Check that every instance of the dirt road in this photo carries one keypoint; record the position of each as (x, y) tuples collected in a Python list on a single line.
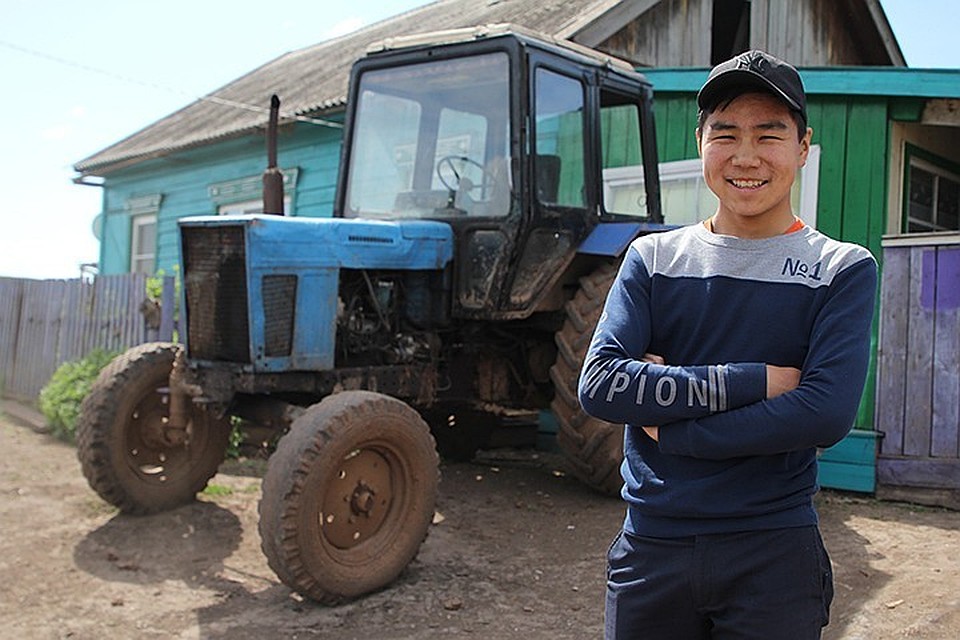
[(518, 554)]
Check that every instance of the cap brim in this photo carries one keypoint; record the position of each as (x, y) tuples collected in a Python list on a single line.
[(743, 79)]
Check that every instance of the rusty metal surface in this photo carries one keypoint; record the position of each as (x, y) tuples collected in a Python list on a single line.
[(221, 382)]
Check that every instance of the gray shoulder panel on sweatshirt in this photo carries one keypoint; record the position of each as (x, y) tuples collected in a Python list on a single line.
[(804, 257)]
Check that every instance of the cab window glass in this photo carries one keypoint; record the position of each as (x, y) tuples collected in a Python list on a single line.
[(559, 159)]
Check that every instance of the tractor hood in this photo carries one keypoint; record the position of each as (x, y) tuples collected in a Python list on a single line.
[(277, 241), (262, 291)]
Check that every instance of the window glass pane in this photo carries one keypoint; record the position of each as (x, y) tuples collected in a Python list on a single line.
[(933, 192), (432, 140), (921, 195), (147, 236), (620, 147), (461, 139), (947, 196), (687, 199), (559, 162), (384, 151)]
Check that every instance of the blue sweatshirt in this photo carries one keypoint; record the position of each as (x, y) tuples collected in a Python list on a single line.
[(718, 309)]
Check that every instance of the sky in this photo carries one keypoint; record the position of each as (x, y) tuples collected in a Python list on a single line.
[(77, 77)]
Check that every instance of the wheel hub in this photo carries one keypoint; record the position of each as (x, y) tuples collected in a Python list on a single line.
[(358, 499), (154, 449), (362, 501)]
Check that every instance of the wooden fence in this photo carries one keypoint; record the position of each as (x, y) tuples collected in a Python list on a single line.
[(918, 385), (44, 323)]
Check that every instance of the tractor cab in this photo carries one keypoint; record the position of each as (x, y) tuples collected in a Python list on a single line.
[(505, 135)]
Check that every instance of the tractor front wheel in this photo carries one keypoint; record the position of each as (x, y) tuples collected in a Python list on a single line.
[(348, 496), (128, 453)]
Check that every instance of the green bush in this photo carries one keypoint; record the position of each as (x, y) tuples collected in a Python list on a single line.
[(61, 397)]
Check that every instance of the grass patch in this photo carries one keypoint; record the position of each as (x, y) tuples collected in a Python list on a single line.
[(217, 490)]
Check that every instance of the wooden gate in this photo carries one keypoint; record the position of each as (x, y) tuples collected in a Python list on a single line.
[(918, 378)]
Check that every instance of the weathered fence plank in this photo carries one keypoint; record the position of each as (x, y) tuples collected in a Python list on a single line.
[(891, 356), (919, 374), (44, 323), (11, 292)]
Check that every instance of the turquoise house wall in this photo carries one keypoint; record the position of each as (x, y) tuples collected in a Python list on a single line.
[(183, 181)]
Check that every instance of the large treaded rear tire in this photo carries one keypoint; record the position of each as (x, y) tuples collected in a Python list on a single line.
[(122, 445), (348, 496), (593, 448)]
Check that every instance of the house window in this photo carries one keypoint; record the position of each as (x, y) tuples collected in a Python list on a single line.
[(932, 194), (248, 207), (143, 244), (245, 195), (143, 210), (684, 194)]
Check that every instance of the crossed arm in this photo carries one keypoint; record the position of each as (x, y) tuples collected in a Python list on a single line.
[(780, 380)]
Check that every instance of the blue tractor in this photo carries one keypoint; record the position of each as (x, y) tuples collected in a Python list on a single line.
[(491, 178)]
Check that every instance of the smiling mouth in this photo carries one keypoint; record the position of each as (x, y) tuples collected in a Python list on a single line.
[(746, 184)]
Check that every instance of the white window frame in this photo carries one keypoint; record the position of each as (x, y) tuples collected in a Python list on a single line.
[(142, 259)]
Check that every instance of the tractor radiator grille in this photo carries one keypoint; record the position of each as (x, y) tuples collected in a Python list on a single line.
[(279, 308), (215, 286)]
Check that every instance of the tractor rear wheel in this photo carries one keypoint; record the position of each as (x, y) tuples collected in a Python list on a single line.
[(593, 447), (348, 496), (127, 453)]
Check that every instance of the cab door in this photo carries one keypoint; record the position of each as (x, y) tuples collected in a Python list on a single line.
[(561, 197)]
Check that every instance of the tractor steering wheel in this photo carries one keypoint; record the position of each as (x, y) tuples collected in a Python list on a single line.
[(448, 161)]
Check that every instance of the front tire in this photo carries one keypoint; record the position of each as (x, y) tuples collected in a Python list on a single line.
[(348, 496), (593, 447), (125, 451)]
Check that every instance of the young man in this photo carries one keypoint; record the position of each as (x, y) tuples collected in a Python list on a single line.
[(731, 350)]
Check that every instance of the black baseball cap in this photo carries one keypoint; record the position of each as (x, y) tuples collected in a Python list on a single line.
[(755, 70)]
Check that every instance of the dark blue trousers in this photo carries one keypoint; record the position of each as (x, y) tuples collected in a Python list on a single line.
[(762, 585)]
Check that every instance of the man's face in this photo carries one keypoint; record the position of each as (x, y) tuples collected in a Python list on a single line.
[(751, 156)]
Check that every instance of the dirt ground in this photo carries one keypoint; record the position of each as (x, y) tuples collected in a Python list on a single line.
[(518, 554)]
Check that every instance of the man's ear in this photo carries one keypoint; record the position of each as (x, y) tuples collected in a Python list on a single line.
[(696, 133), (805, 146)]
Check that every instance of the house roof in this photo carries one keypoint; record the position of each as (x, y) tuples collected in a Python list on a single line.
[(312, 82)]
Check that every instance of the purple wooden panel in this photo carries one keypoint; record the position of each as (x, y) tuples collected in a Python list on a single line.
[(892, 354), (919, 472), (945, 421), (919, 371), (948, 279)]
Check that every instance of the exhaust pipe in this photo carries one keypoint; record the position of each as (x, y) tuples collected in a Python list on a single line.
[(272, 177)]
